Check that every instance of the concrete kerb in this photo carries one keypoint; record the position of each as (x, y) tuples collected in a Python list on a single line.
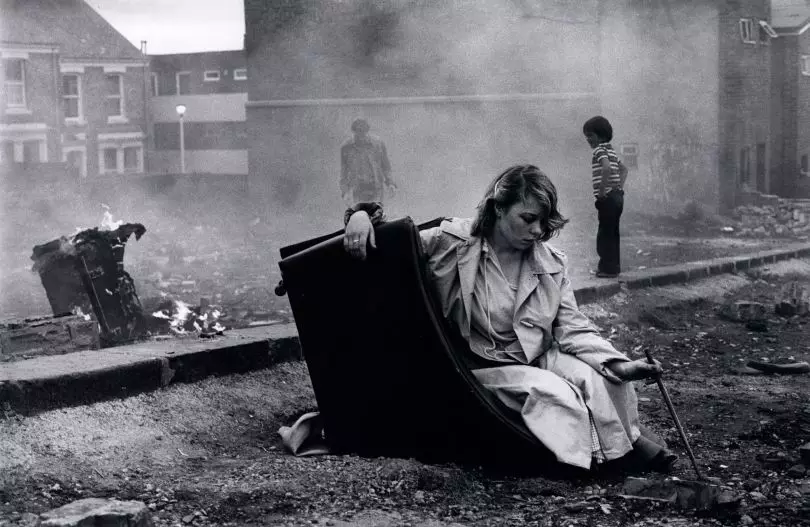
[(686, 272), (55, 381), (43, 383)]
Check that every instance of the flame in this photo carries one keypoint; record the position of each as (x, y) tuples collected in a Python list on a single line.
[(77, 310), (185, 318), (107, 222)]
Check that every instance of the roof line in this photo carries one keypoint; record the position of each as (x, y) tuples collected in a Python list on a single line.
[(495, 97)]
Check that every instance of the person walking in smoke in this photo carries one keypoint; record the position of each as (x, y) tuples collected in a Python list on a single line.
[(608, 174), (365, 172)]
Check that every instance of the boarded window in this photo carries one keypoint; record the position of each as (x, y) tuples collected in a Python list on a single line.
[(132, 159)]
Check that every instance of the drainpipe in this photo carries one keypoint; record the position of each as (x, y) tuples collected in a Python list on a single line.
[(147, 144), (57, 114)]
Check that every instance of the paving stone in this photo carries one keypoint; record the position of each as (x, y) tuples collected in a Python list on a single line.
[(99, 511)]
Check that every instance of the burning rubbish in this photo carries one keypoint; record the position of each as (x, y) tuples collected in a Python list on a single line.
[(183, 318), (84, 273)]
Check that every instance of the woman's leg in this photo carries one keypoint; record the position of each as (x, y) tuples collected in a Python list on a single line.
[(614, 407), (550, 407)]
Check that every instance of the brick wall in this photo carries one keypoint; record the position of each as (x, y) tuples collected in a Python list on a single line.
[(744, 99), (225, 62), (41, 99), (784, 112), (803, 108)]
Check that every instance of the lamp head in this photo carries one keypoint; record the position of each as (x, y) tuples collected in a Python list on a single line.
[(181, 109)]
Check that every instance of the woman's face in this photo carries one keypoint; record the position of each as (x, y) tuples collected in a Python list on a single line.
[(520, 226)]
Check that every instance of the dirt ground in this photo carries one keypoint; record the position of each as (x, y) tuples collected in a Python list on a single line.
[(208, 453)]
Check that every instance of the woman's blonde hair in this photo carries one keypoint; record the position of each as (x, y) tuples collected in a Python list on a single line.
[(513, 185)]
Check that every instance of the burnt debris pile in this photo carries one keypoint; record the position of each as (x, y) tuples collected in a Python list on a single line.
[(84, 273)]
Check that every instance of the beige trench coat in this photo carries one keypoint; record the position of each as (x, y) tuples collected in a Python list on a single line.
[(563, 376)]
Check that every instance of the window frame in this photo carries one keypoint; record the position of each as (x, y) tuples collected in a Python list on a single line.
[(121, 116), (240, 77), (206, 77), (747, 26), (629, 151), (120, 159), (804, 65), (21, 83), (155, 85), (79, 117)]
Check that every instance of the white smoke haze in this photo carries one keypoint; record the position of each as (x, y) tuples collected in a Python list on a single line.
[(443, 153)]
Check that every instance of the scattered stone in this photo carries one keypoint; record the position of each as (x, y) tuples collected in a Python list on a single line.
[(99, 511), (796, 471), (760, 326), (686, 494), (804, 452), (29, 519), (757, 496), (744, 311), (795, 300), (746, 520), (578, 506)]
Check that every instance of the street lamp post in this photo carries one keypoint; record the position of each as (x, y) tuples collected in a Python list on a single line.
[(181, 111)]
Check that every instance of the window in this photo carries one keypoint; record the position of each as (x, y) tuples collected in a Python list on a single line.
[(240, 74), (805, 170), (805, 64), (132, 159), (747, 31), (183, 79), (211, 76), (71, 97), (154, 84), (120, 159), (31, 151), (7, 152), (115, 96), (629, 153), (14, 82), (110, 160)]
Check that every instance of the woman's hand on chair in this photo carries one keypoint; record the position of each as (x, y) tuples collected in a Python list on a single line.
[(359, 235), (636, 369)]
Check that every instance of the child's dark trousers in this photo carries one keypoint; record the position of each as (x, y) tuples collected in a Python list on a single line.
[(607, 237)]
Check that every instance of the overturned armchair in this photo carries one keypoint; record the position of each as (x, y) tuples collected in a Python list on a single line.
[(430, 342)]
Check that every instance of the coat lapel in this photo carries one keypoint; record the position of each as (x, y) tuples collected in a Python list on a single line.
[(468, 255)]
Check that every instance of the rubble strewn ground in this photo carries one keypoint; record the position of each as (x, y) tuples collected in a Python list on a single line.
[(208, 453)]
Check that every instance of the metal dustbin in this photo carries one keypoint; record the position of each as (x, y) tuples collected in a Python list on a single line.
[(86, 271)]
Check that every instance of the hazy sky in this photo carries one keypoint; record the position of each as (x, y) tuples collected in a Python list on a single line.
[(177, 26)]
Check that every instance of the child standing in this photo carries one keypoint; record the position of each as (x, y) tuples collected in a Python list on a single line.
[(607, 176)]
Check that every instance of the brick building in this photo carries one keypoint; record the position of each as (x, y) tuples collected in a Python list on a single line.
[(688, 84), (74, 90), (213, 87), (790, 117)]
